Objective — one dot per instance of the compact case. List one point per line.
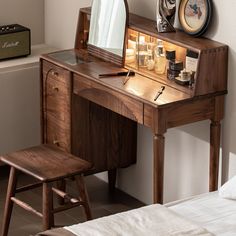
(14, 41)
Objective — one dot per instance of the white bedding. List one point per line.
(153, 220)
(216, 214)
(209, 211)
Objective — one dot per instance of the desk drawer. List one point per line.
(57, 100)
(56, 133)
(56, 91)
(55, 72)
(108, 98)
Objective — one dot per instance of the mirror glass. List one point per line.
(107, 25)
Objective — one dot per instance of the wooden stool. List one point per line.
(47, 164)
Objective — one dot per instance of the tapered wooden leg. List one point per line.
(112, 179)
(61, 184)
(48, 217)
(84, 196)
(158, 168)
(214, 155)
(9, 204)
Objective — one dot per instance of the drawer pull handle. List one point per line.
(56, 89)
(56, 142)
(54, 73)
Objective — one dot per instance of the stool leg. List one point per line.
(84, 196)
(48, 216)
(61, 185)
(9, 204)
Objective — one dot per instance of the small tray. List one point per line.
(178, 80)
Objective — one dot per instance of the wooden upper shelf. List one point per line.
(179, 38)
(212, 65)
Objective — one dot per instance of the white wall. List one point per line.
(187, 147)
(20, 107)
(61, 21)
(25, 12)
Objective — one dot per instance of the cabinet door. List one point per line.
(56, 106)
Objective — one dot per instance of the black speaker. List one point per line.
(14, 41)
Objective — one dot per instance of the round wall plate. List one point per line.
(195, 16)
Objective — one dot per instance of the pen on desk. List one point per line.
(127, 77)
(159, 93)
(120, 73)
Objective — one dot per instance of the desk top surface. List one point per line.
(139, 87)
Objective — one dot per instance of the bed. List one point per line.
(205, 215)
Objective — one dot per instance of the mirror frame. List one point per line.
(81, 39)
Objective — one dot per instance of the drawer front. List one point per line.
(56, 91)
(56, 73)
(57, 100)
(110, 99)
(56, 105)
(56, 133)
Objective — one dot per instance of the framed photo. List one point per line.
(195, 16)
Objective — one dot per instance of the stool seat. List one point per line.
(46, 163)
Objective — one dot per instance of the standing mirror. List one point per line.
(108, 27)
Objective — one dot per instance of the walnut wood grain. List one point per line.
(48, 217)
(105, 55)
(82, 30)
(211, 74)
(56, 72)
(179, 38)
(215, 131)
(56, 105)
(102, 96)
(9, 204)
(46, 163)
(212, 71)
(102, 137)
(100, 130)
(84, 196)
(57, 133)
(158, 167)
(147, 26)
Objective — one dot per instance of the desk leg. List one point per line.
(158, 167)
(214, 155)
(112, 179)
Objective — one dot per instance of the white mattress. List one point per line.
(211, 212)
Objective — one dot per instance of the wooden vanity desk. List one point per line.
(96, 118)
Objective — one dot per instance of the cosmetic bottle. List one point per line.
(142, 52)
(160, 59)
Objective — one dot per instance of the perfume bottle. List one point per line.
(160, 59)
(142, 52)
(150, 61)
